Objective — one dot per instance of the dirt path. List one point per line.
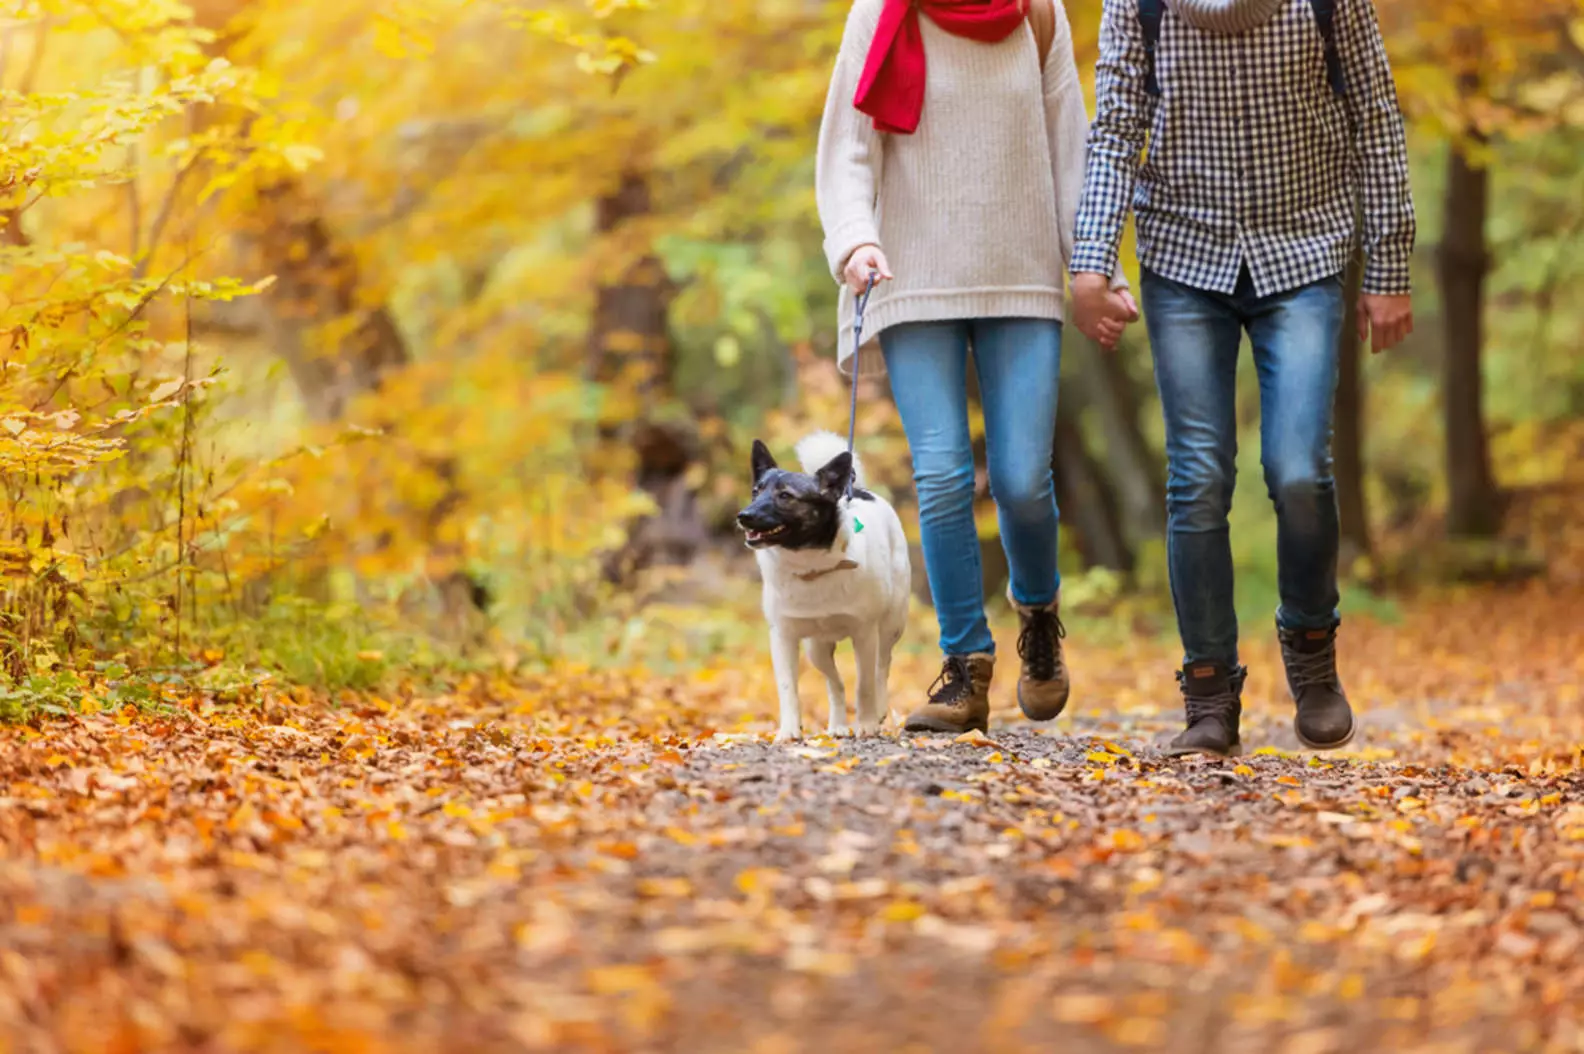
(603, 862)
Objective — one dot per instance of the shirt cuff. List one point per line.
(1387, 276)
(1094, 258)
(842, 242)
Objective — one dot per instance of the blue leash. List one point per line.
(852, 418)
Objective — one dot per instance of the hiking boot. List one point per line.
(1213, 698)
(959, 699)
(1043, 686)
(1324, 720)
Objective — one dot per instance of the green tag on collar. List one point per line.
(857, 525)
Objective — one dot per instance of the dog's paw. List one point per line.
(866, 730)
(839, 731)
(788, 735)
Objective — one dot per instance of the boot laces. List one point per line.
(1223, 706)
(1311, 668)
(954, 683)
(1037, 644)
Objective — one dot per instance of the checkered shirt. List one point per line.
(1253, 159)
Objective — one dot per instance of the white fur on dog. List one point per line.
(809, 598)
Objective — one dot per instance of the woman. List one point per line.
(950, 164)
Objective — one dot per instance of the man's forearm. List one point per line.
(1116, 140)
(1382, 149)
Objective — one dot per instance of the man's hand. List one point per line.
(1101, 313)
(1384, 320)
(865, 259)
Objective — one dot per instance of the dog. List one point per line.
(834, 568)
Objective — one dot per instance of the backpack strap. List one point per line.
(1325, 21)
(1042, 19)
(1149, 15)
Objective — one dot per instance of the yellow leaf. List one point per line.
(619, 979)
(753, 880)
(1125, 841)
(902, 911)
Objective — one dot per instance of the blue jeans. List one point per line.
(1018, 361)
(1195, 337)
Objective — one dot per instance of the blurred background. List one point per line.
(352, 337)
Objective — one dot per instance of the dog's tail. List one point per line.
(815, 451)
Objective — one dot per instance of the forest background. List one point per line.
(347, 339)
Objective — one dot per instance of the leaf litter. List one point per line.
(611, 861)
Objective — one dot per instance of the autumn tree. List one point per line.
(1475, 71)
(102, 180)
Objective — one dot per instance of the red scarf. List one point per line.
(891, 89)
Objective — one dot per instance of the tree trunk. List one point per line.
(1463, 262)
(1133, 471)
(316, 282)
(1088, 505)
(629, 344)
(1348, 442)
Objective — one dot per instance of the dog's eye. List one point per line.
(783, 495)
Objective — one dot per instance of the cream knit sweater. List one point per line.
(976, 210)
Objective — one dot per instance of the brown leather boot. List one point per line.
(1324, 720)
(1043, 685)
(959, 700)
(1213, 698)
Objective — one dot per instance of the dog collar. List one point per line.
(844, 565)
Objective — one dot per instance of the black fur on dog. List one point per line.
(794, 510)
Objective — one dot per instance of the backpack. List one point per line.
(1149, 14)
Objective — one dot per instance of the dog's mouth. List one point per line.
(765, 537)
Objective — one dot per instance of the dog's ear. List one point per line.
(833, 477)
(762, 461)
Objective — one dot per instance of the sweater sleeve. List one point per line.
(1067, 131)
(848, 158)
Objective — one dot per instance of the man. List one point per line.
(1269, 122)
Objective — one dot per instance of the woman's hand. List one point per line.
(1102, 313)
(1123, 310)
(865, 260)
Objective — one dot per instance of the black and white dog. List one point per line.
(834, 568)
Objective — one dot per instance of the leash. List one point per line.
(859, 304)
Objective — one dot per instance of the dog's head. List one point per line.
(793, 510)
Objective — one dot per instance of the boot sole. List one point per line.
(1053, 715)
(1236, 751)
(925, 724)
(1344, 741)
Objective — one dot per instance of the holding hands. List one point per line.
(1100, 312)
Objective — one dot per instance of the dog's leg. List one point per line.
(883, 685)
(784, 658)
(871, 679)
(823, 655)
